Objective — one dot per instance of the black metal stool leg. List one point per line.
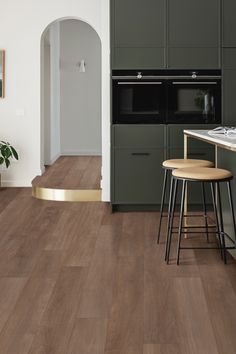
(162, 204)
(168, 215)
(181, 220)
(232, 208)
(172, 214)
(216, 216)
(205, 210)
(221, 222)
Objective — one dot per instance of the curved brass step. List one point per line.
(67, 195)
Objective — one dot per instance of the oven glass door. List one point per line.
(138, 102)
(195, 102)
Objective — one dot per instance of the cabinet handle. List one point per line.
(140, 153)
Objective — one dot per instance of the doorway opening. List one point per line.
(71, 146)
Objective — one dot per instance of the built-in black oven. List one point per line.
(166, 96)
(138, 97)
(194, 98)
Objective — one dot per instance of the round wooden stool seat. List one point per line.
(202, 174)
(182, 163)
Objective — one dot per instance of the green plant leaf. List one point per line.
(7, 162)
(15, 154)
(1, 160)
(8, 152)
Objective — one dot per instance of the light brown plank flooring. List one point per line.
(72, 172)
(76, 279)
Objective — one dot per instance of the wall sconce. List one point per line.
(82, 66)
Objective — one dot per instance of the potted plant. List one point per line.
(7, 152)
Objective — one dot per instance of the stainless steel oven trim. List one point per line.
(146, 77)
(138, 83)
(194, 83)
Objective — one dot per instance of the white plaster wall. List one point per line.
(46, 108)
(80, 92)
(55, 148)
(21, 26)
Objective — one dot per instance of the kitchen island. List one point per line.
(225, 157)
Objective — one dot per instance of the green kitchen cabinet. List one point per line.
(138, 176)
(139, 23)
(193, 24)
(193, 58)
(228, 23)
(175, 136)
(137, 155)
(193, 34)
(138, 136)
(138, 34)
(138, 58)
(227, 160)
(229, 86)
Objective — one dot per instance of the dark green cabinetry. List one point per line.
(139, 23)
(229, 86)
(229, 23)
(138, 34)
(227, 160)
(155, 34)
(193, 58)
(193, 34)
(193, 23)
(137, 155)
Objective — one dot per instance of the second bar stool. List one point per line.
(168, 166)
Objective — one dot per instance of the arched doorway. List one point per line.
(71, 135)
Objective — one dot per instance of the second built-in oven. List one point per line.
(194, 98)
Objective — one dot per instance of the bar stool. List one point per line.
(170, 165)
(214, 176)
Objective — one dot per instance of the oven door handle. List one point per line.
(139, 83)
(194, 83)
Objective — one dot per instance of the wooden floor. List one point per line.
(72, 172)
(76, 279)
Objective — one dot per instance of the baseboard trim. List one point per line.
(8, 183)
(51, 161)
(81, 153)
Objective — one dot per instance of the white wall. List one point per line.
(21, 26)
(51, 94)
(55, 148)
(80, 92)
(46, 108)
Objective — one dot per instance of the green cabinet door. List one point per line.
(137, 155)
(138, 34)
(193, 58)
(193, 23)
(137, 176)
(229, 86)
(193, 34)
(227, 160)
(229, 23)
(139, 23)
(138, 58)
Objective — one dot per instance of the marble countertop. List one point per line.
(221, 140)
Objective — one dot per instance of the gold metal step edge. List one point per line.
(67, 195)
